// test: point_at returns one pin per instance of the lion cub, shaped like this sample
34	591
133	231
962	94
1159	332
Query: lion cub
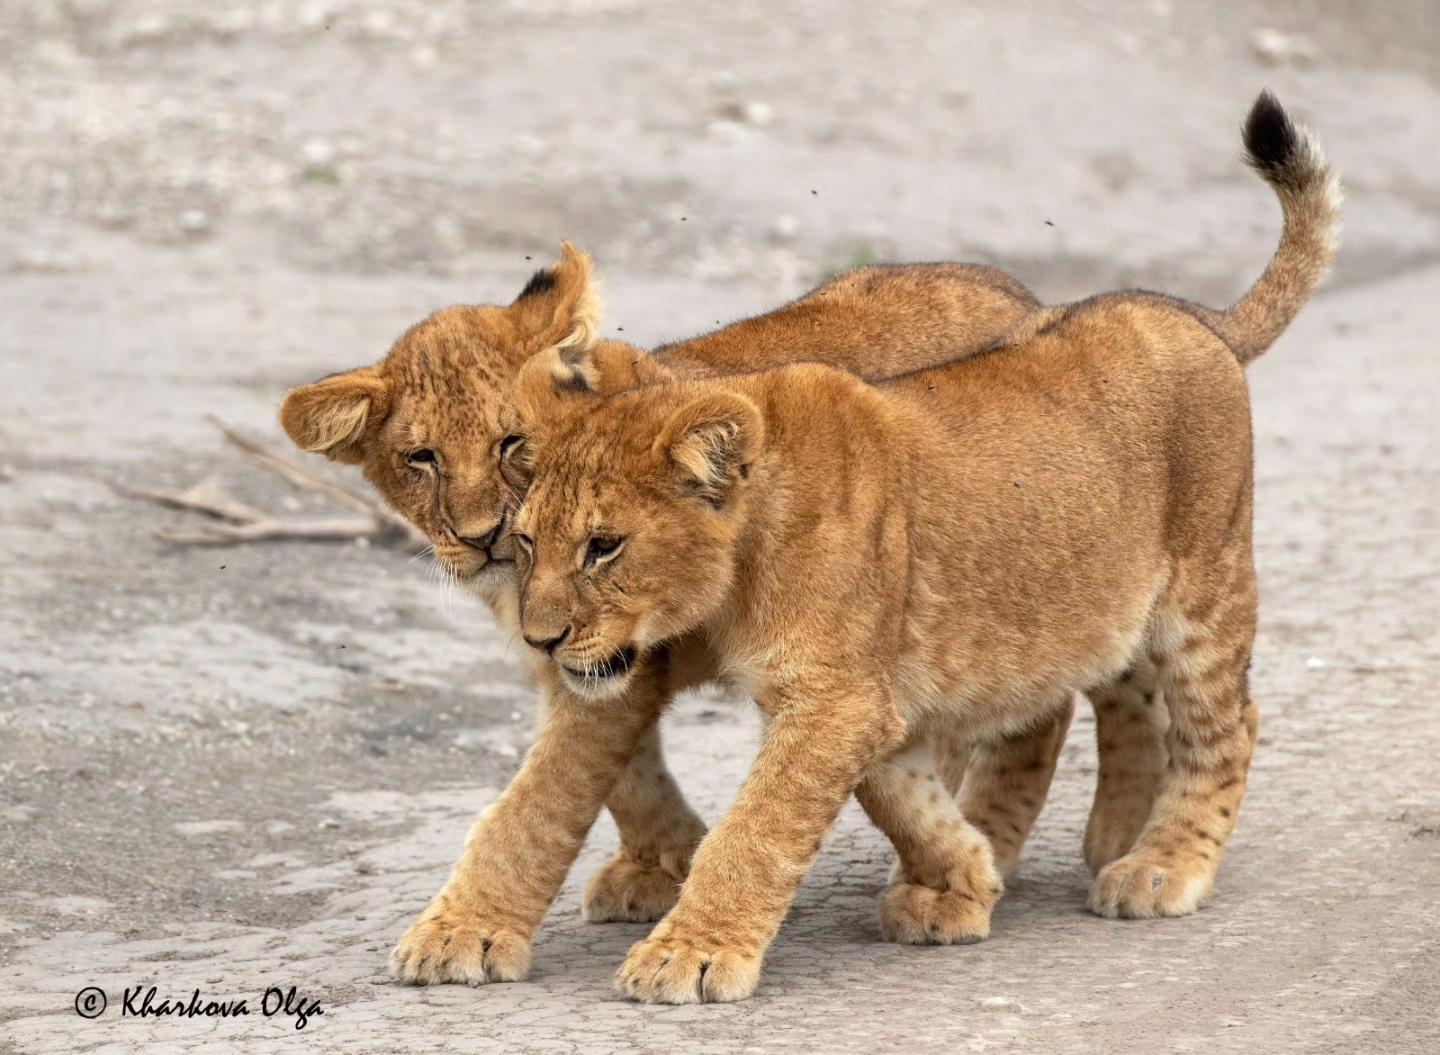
429	426
945	556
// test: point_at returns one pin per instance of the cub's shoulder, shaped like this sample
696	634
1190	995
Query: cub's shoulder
814	397
926	280
816	381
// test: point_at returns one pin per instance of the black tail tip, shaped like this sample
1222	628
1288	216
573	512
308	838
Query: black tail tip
1270	136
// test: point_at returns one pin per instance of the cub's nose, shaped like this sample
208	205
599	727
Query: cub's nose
547	644
481	542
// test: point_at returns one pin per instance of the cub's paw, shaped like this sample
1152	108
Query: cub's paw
451	944
920	915
1116	820
1143	886
673	970
628	891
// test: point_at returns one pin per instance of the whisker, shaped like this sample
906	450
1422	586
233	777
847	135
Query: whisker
448	592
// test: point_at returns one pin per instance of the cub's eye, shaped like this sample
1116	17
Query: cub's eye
421	458
602	548
508	444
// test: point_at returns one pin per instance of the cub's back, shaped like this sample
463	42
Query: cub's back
1125	406
874	321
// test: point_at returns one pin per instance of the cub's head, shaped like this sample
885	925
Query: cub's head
431	423
628	530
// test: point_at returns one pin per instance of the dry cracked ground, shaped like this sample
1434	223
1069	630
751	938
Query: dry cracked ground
236	768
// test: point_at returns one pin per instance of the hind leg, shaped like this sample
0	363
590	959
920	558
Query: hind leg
1200	643
1130	724
952	758
944	884
658	835
1005	782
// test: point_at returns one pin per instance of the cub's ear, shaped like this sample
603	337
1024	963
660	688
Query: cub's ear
560	376
333	415
603	369
712	441
551	382
559	306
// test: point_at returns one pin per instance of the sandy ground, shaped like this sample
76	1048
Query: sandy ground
248	767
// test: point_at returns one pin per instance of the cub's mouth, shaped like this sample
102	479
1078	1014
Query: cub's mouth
472	565
615	665
465	561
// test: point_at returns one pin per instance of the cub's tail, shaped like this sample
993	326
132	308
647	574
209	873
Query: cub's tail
1288	158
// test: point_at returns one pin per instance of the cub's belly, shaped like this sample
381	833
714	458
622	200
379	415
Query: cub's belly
997	684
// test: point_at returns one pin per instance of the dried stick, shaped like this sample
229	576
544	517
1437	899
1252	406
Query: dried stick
297	475
246	523
204	497
269	530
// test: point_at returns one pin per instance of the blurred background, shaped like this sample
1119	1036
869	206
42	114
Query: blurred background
239	766
746	142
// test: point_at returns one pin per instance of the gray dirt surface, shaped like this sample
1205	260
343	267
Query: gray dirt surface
240	767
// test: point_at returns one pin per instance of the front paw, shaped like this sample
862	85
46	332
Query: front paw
454	942
670	968
626	890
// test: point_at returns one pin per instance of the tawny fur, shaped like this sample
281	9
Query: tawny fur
444	389
948	555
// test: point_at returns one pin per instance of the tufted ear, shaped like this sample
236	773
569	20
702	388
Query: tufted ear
560	382
548	384
332	416
559	306
557	378
712	441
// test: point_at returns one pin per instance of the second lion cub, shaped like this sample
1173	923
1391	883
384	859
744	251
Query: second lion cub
946	555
